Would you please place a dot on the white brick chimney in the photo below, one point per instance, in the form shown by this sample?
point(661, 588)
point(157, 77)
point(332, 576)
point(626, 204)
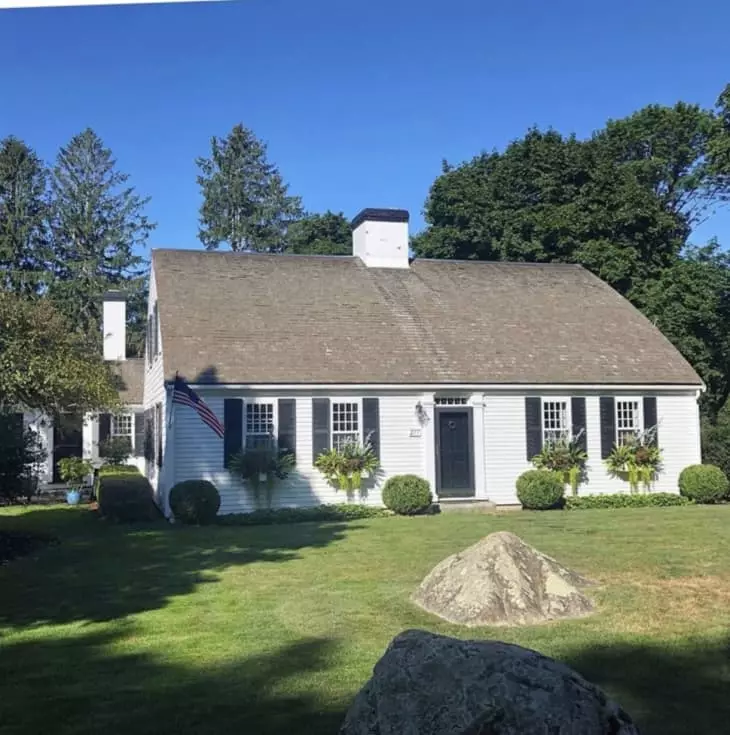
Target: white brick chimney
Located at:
point(380, 238)
point(114, 319)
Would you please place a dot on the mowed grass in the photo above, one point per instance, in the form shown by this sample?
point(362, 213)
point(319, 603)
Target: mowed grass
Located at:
point(198, 631)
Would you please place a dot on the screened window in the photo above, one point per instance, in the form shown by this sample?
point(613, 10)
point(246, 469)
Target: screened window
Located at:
point(555, 426)
point(122, 425)
point(345, 424)
point(259, 424)
point(628, 420)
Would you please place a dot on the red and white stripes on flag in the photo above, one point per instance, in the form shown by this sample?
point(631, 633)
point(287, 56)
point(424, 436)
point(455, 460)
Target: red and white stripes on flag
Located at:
point(183, 394)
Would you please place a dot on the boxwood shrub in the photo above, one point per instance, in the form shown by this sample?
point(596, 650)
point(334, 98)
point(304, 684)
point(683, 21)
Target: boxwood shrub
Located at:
point(125, 495)
point(540, 489)
point(195, 502)
point(624, 500)
point(407, 495)
point(703, 483)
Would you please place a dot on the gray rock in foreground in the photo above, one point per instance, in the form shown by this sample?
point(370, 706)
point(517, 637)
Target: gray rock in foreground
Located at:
point(428, 684)
point(501, 580)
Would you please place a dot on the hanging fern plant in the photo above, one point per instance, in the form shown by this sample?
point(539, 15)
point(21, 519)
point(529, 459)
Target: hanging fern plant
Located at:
point(345, 467)
point(566, 457)
point(637, 460)
point(261, 467)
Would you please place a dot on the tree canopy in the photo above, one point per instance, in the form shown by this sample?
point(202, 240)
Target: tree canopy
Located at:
point(320, 234)
point(623, 203)
point(98, 226)
point(45, 364)
point(245, 200)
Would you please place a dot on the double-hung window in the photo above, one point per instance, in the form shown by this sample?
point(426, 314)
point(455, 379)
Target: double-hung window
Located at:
point(122, 427)
point(346, 426)
point(628, 419)
point(555, 420)
point(259, 425)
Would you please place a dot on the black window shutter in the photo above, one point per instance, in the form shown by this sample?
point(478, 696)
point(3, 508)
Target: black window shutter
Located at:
point(233, 428)
point(371, 423)
point(287, 438)
point(105, 425)
point(139, 434)
point(650, 417)
point(320, 426)
point(578, 414)
point(608, 425)
point(533, 426)
point(158, 426)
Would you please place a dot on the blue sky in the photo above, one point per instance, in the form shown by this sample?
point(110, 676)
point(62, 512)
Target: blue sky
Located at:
point(359, 101)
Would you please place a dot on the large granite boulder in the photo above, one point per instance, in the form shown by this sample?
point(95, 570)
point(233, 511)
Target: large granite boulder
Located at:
point(501, 580)
point(428, 684)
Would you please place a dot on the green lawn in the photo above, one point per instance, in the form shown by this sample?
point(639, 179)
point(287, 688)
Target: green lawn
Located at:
point(273, 629)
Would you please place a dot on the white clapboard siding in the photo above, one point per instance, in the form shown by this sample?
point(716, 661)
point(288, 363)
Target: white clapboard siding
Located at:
point(505, 451)
point(198, 453)
point(154, 392)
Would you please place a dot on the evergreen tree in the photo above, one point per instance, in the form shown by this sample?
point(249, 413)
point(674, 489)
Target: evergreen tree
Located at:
point(245, 200)
point(23, 213)
point(98, 227)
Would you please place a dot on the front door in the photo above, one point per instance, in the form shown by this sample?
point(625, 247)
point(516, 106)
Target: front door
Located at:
point(67, 439)
point(454, 466)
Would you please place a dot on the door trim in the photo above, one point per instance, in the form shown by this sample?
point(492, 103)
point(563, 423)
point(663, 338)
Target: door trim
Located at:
point(469, 411)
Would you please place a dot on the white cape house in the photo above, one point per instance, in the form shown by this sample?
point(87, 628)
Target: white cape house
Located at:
point(458, 371)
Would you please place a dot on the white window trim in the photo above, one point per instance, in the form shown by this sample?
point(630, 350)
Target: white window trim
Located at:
point(346, 399)
point(131, 435)
point(568, 414)
point(274, 403)
point(639, 400)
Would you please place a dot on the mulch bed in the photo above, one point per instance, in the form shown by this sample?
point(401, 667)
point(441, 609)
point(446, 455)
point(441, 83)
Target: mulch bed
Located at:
point(13, 545)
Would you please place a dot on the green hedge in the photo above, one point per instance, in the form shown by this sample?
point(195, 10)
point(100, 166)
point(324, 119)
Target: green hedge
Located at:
point(589, 502)
point(125, 495)
point(195, 502)
point(341, 512)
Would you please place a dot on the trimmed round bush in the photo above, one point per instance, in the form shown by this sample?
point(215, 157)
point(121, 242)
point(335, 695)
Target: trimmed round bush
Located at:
point(407, 495)
point(195, 502)
point(540, 489)
point(703, 483)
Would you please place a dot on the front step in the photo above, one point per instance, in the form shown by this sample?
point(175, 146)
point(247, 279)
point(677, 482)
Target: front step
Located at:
point(466, 505)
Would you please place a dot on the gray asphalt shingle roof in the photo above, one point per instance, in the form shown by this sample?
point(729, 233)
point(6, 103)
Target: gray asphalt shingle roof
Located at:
point(253, 318)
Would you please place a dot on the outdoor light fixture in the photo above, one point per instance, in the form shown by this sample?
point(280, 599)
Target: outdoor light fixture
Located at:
point(421, 414)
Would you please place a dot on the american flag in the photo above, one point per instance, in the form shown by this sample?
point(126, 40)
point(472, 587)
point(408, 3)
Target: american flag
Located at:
point(182, 393)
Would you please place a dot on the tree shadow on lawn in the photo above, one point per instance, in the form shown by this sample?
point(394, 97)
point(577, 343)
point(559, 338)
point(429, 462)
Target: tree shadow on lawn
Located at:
point(668, 689)
point(80, 686)
point(100, 571)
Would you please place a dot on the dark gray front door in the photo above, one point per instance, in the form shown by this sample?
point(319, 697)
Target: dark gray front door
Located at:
point(67, 439)
point(454, 453)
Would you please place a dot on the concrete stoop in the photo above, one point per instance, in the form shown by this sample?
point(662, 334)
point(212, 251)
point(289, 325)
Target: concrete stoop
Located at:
point(466, 505)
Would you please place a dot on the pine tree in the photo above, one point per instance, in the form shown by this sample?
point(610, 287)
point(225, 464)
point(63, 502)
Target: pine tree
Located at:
point(23, 213)
point(245, 200)
point(98, 227)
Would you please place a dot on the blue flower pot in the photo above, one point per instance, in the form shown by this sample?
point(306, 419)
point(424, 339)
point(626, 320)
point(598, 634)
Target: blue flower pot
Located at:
point(73, 497)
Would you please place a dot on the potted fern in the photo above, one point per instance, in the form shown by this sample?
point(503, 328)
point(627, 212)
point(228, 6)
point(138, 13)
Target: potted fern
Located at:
point(74, 471)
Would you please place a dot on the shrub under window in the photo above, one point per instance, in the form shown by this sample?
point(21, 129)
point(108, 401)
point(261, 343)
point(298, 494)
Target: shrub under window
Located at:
point(407, 494)
point(540, 489)
point(195, 502)
point(124, 495)
point(703, 483)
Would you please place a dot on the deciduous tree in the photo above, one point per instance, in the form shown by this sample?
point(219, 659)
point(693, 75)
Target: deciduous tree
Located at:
point(320, 234)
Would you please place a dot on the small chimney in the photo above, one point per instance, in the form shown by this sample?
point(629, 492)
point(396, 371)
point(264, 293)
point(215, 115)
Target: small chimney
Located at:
point(115, 325)
point(380, 238)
